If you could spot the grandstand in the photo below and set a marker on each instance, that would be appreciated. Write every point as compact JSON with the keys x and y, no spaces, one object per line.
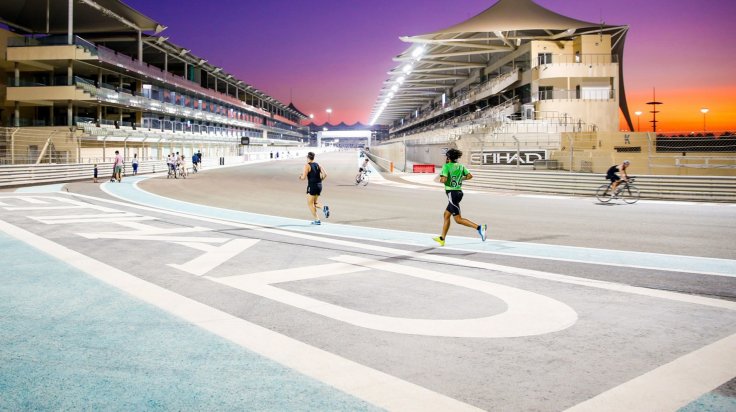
{"x":108,"y":79}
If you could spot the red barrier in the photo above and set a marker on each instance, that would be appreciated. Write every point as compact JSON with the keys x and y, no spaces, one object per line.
{"x":423,"y":168}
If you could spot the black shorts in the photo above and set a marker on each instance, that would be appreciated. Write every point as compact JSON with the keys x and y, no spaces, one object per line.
{"x":613,"y":178}
{"x":454,"y":197}
{"x":314,"y":189}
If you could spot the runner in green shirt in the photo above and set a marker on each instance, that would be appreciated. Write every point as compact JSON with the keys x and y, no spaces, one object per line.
{"x":452,"y":175}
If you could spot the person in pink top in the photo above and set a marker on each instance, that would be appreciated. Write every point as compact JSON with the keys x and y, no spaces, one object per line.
{"x":117,"y":168}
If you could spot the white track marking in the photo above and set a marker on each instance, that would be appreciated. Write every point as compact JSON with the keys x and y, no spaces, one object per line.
{"x":599,"y":284}
{"x":370,"y":385}
{"x":673,"y":385}
{"x":215,"y":256}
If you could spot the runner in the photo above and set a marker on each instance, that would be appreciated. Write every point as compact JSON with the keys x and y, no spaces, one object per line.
{"x":314,"y":175}
{"x":452,"y":175}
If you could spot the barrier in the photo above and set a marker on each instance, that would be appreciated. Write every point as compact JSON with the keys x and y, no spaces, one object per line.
{"x":694,"y":188}
{"x":423,"y":168}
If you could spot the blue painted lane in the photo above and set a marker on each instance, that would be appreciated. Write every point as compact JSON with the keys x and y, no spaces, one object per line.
{"x":71,"y":342}
{"x":128,"y":190}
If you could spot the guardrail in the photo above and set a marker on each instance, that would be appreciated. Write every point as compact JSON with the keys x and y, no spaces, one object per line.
{"x":26,"y":175}
{"x":692,"y":188}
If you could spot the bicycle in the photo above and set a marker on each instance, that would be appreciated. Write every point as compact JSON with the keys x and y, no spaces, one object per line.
{"x":363,"y":178}
{"x":626,"y":191}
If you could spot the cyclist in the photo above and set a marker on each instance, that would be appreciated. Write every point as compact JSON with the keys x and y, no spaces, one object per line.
{"x":616,"y":179}
{"x":362,"y":169}
{"x":452,"y":175}
{"x":195,"y":160}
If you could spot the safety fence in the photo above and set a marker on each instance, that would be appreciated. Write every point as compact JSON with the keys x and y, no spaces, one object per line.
{"x":693,"y":188}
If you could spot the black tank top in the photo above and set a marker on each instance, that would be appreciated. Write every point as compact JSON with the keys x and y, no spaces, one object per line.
{"x":314,"y":175}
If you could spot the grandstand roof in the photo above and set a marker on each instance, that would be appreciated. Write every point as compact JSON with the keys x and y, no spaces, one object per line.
{"x":90,"y":16}
{"x":438,"y":61}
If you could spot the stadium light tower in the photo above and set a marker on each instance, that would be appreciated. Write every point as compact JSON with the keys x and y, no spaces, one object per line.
{"x":705,"y":111}
{"x":638,"y":117}
{"x":329,"y":112}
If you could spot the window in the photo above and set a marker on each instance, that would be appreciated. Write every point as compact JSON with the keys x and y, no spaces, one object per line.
{"x":544,"y":58}
{"x":546,"y":92}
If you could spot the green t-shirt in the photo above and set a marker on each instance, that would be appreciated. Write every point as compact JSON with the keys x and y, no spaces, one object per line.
{"x":454,"y":172}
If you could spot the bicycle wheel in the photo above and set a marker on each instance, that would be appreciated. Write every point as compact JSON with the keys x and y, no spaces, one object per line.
{"x":365,"y":180}
{"x":602,"y":194}
{"x":630,"y":194}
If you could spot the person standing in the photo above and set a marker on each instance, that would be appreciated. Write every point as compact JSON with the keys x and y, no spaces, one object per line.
{"x":117,"y":167}
{"x":135,"y":164}
{"x":452,"y":175}
{"x":95,"y":173}
{"x":199,"y":160}
{"x":314,"y":174}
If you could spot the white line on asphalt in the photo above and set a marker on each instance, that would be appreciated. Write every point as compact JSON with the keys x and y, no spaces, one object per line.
{"x":371,"y":385}
{"x":526,"y":314}
{"x":600,"y":284}
{"x":670,"y":386}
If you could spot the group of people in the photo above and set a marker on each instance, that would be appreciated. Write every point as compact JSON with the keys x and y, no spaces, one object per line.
{"x":452,"y":176}
{"x":177,"y":163}
{"x":174,"y":161}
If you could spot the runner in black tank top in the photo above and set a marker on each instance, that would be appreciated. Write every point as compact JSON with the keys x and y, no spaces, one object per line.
{"x":314,"y":174}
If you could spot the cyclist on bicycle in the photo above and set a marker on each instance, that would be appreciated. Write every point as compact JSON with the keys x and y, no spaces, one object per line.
{"x":362,"y":169}
{"x":614,"y":178}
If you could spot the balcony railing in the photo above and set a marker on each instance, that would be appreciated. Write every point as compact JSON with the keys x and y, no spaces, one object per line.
{"x":583,"y":94}
{"x":582,"y":59}
{"x":126,"y":62}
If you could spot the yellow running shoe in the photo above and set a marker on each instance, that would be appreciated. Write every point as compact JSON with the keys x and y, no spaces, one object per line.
{"x":439,"y":240}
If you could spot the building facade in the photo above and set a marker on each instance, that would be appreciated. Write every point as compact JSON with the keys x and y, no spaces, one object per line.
{"x":94,"y":75}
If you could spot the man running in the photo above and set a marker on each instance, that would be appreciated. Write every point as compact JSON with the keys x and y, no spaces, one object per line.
{"x":314,"y":174}
{"x":452,"y":175}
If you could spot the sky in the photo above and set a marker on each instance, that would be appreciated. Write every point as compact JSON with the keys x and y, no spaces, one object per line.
{"x":335,"y":54}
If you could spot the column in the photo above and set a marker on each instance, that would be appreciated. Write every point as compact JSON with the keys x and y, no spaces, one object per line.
{"x":69,"y":113}
{"x":69,"y":73}
{"x":70,"y":22}
{"x":140,"y":48}
{"x":16,"y":114}
{"x":166,"y":62}
{"x":16,"y":73}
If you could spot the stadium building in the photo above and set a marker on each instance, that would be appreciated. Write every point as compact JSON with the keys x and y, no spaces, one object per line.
{"x":84,"y":78}
{"x":512,"y":82}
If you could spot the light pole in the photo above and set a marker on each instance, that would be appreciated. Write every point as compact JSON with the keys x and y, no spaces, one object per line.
{"x":638,"y":117}
{"x":329,"y":112}
{"x":705,"y":111}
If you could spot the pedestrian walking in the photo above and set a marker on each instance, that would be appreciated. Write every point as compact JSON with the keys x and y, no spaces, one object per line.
{"x":117,"y":168}
{"x":94,"y":172}
{"x":452,"y":175}
{"x":135,"y":164}
{"x":314,"y":174}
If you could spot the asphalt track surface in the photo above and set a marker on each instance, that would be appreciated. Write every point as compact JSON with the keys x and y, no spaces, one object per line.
{"x":117,"y":297}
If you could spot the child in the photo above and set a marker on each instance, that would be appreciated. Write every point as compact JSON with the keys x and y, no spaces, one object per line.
{"x":95,"y":173}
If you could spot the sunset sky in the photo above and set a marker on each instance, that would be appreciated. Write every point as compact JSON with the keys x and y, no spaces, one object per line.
{"x":336,"y":53}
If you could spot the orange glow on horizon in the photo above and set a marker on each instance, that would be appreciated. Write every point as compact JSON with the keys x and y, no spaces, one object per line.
{"x":680,"y":111}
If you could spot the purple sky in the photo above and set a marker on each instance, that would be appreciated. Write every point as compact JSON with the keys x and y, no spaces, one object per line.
{"x":335,"y":53}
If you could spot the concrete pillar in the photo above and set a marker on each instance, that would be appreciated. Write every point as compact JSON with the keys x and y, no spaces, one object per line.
{"x":69,"y":73}
{"x":166,"y":63}
{"x":140,"y":48}
{"x":16,"y":114}
{"x":215,"y":83}
{"x":16,"y":74}
{"x":69,"y":113}
{"x":70,"y":22}
{"x":99,"y":113}
{"x":51,"y":114}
